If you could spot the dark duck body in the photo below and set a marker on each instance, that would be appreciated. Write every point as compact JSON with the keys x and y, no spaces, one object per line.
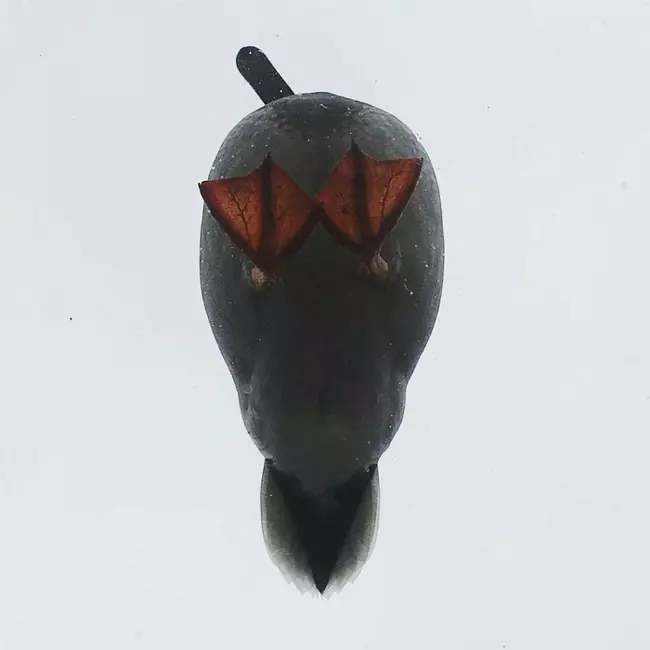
{"x":321,"y":345}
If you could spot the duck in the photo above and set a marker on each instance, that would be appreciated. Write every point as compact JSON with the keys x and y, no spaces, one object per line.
{"x":321,"y":271}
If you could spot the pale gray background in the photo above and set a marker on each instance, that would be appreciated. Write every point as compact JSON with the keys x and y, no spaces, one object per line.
{"x":516,"y":497}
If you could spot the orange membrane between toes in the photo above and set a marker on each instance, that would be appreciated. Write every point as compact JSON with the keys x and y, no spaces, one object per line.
{"x":265,"y":213}
{"x":364,"y":197}
{"x":269,"y":217}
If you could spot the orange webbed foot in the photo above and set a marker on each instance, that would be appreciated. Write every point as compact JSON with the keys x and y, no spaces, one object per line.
{"x":265,"y":213}
{"x":363,"y":200}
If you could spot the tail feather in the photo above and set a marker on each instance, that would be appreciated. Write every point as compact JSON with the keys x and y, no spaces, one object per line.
{"x":323,"y":540}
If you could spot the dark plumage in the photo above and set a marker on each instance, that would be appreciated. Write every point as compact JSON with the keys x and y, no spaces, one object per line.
{"x":321,"y":357}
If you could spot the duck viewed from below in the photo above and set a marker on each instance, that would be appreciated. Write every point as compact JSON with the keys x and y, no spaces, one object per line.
{"x":321,"y":271}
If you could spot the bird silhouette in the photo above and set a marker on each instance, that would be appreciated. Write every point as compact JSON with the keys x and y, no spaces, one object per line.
{"x":321,"y":266}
